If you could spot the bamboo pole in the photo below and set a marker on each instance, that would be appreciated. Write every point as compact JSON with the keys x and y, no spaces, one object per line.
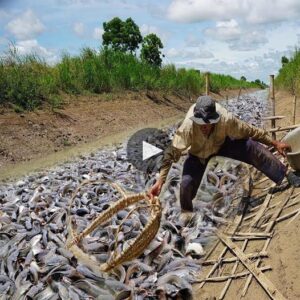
{"x":284,"y":217}
{"x":234,"y":259}
{"x":207,"y":83}
{"x":234,"y":276}
{"x":239,"y":94}
{"x":272,"y":96}
{"x":294,"y":109}
{"x":283,"y":128}
{"x":262,"y":209}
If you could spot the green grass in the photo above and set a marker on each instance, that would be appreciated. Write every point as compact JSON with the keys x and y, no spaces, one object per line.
{"x":27,"y":81}
{"x":289,"y":75}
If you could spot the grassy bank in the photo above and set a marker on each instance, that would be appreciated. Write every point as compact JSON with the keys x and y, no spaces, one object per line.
{"x":289,"y":75}
{"x":27,"y":81}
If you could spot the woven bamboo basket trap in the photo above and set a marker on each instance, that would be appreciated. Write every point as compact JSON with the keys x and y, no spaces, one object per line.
{"x":139,"y":244}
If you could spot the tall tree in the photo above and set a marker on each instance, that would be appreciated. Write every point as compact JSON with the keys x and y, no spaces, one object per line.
{"x":284,"y":60}
{"x":121,"y":35}
{"x":151,"y":49}
{"x":243,"y":78}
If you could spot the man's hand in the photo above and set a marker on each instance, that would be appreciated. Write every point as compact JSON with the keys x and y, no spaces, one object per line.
{"x":281,"y":147}
{"x":155,"y":189}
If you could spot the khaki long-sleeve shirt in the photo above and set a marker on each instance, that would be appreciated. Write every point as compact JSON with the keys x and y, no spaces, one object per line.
{"x":189,"y":135}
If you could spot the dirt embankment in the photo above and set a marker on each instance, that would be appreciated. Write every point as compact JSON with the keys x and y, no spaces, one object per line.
{"x":34,"y":140}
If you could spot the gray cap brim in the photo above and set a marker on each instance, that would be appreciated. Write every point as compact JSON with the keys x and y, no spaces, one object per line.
{"x":200,"y":121}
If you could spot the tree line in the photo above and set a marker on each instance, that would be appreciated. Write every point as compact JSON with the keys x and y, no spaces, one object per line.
{"x":125,"y":36}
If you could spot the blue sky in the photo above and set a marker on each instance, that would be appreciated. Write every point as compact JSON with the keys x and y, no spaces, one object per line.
{"x":237,"y":37}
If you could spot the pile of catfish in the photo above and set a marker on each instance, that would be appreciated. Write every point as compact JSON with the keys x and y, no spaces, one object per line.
{"x":36,"y":264}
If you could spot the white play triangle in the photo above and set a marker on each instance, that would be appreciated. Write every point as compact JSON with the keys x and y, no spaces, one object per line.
{"x":149,"y":150}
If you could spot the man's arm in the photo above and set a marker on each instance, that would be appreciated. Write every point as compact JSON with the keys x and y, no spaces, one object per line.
{"x":171,"y":155}
{"x":239,"y":129}
{"x":181,"y":141}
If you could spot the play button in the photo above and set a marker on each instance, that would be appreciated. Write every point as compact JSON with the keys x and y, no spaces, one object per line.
{"x":149,"y":150}
{"x":145,"y":149}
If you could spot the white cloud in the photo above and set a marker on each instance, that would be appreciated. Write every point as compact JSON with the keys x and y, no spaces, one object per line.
{"x":3,"y":41}
{"x":97,"y":33}
{"x":96,"y":4}
{"x":4,"y":14}
{"x":26,"y":26}
{"x":239,"y":38}
{"x":225,"y":31}
{"x":147,"y":29}
{"x":252,"y":11}
{"x":33,"y":47}
{"x":250,"y":40}
{"x":255,"y":67}
{"x":157,"y":10}
{"x":189,"y":53}
{"x":79,"y":29}
{"x":193,"y":40}
{"x":273,"y":11}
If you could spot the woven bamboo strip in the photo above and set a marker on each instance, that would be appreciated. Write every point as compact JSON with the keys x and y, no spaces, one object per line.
{"x":253,"y":269}
{"x":234,"y":259}
{"x":236,"y":264}
{"x":234,"y":276}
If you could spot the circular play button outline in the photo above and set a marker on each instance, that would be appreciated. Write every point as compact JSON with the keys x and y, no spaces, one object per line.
{"x":145,"y":148}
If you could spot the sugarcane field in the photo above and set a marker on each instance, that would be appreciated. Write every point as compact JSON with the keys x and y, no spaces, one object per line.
{"x":149,"y":150}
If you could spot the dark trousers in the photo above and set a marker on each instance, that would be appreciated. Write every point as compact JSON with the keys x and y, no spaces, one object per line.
{"x":246,"y":150}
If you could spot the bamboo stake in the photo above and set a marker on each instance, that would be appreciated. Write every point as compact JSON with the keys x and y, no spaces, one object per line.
{"x":239,"y":94}
{"x":294,"y":218}
{"x":284,"y":217}
{"x":250,"y":216}
{"x":273,"y":117}
{"x":262,"y":180}
{"x":234,"y":259}
{"x":287,"y":206}
{"x":241,"y":238}
{"x":207,"y":83}
{"x":252,"y":234}
{"x":283,"y":128}
{"x":296,"y":196}
{"x":294,"y":109}
{"x":278,"y":212}
{"x":234,"y":276}
{"x":262,"y":209}
{"x":273,"y":104}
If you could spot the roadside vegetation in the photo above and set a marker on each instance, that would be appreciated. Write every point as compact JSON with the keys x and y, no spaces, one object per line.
{"x":27,"y":81}
{"x":289,"y":75}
